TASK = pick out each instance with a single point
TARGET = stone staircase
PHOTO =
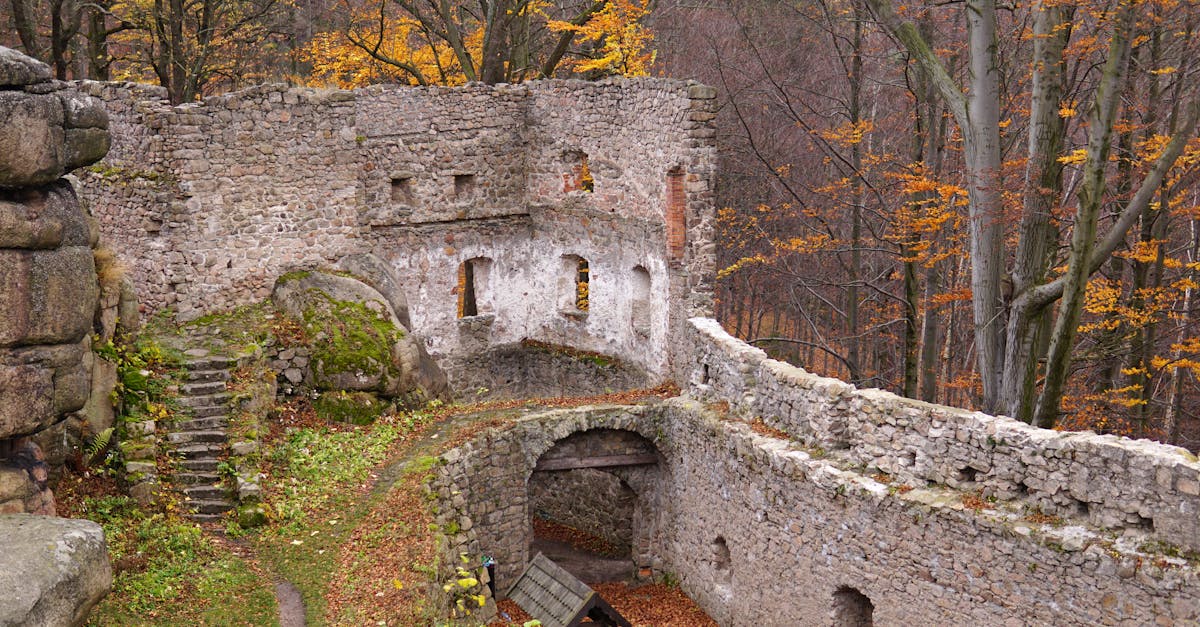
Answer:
(201, 441)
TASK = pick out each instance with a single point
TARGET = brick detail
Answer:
(676, 215)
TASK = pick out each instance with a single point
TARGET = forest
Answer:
(988, 205)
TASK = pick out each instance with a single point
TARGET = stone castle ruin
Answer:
(556, 237)
(489, 207)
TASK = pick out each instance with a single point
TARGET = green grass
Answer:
(316, 494)
(167, 572)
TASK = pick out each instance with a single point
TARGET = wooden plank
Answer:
(601, 461)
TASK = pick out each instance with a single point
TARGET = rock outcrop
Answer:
(48, 284)
(52, 570)
(358, 342)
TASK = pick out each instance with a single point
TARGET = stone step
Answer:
(210, 362)
(200, 464)
(210, 411)
(201, 451)
(201, 376)
(203, 388)
(206, 517)
(205, 493)
(197, 478)
(219, 421)
(207, 400)
(213, 506)
(187, 437)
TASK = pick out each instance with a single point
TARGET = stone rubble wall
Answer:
(590, 500)
(799, 525)
(1102, 481)
(211, 201)
(482, 485)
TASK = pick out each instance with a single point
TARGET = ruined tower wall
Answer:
(212, 201)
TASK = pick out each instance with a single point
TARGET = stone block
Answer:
(17, 70)
(31, 139)
(52, 570)
(84, 146)
(15, 484)
(50, 296)
(81, 111)
(26, 398)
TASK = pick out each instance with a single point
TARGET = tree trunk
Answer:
(1083, 238)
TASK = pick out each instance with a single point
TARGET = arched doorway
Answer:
(594, 504)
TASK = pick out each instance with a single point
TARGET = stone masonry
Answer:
(769, 530)
(215, 200)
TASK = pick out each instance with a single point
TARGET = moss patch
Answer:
(350, 338)
(356, 408)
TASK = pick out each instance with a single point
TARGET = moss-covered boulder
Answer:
(358, 344)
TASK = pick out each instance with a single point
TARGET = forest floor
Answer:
(348, 530)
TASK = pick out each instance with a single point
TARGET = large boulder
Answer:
(52, 570)
(358, 343)
(46, 130)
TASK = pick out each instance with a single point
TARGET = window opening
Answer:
(473, 299)
(586, 182)
(464, 186)
(582, 293)
(402, 189)
(852, 608)
(721, 560)
(575, 284)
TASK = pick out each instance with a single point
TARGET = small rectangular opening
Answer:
(464, 186)
(402, 190)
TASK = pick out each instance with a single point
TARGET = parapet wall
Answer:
(210, 202)
(761, 530)
(1102, 481)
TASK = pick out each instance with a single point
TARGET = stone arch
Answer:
(606, 482)
(852, 608)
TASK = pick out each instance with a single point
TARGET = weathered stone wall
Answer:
(1103, 481)
(586, 499)
(49, 293)
(218, 198)
(483, 485)
(766, 531)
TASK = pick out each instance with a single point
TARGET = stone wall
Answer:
(214, 200)
(50, 297)
(1105, 481)
(766, 531)
(590, 500)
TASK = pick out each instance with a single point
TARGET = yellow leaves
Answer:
(849, 133)
(738, 265)
(804, 245)
(1067, 111)
(952, 296)
(624, 40)
(1077, 156)
(1142, 251)
(1170, 69)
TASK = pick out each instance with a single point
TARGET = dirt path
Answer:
(291, 605)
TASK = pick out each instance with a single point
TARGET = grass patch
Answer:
(168, 572)
(318, 490)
